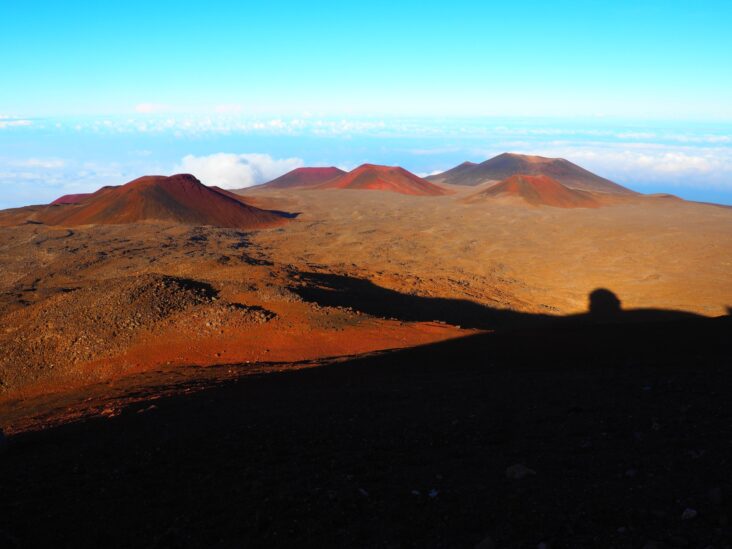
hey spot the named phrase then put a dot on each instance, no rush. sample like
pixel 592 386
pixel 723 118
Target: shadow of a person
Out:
pixel 604 305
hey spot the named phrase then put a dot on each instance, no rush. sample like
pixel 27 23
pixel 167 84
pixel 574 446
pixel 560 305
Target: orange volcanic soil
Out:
pixel 539 190
pixel 179 198
pixel 507 164
pixel 291 340
pixel 385 178
pixel 149 321
pixel 275 345
pixel 303 177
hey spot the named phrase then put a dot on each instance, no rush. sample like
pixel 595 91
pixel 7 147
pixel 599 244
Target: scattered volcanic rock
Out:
pixel 179 198
pixel 385 178
pixel 539 190
pixel 303 177
pixel 507 164
pixel 53 337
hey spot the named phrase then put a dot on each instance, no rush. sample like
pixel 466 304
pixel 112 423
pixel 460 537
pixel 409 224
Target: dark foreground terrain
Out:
pixel 573 435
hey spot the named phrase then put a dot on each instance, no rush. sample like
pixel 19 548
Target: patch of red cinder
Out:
pixel 71 198
pixel 385 178
pixel 540 190
pixel 304 177
pixel 81 197
pixel 178 198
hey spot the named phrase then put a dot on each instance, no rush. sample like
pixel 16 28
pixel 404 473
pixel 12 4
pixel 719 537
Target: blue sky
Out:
pixel 92 94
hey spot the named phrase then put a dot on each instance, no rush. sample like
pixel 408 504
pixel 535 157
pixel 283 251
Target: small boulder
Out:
pixel 519 471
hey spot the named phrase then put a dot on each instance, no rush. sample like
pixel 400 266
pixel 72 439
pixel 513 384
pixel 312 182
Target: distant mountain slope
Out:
pixel 72 198
pixel 230 194
pixel 453 173
pixel 385 178
pixel 539 190
pixel 303 177
pixel 507 164
pixel 81 197
pixel 178 198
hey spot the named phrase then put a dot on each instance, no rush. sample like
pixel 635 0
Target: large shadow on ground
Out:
pixel 365 296
pixel 582 432
pixel 613 429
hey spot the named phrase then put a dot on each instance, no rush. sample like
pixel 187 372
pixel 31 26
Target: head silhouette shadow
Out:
pixel 604 304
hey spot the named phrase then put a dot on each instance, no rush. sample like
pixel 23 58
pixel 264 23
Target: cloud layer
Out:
pixel 48 157
pixel 235 171
pixel 14 123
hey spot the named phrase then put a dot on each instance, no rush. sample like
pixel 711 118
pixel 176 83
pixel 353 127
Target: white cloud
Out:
pixel 635 135
pixel 233 171
pixel 41 180
pixel 14 123
pixel 155 118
